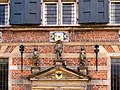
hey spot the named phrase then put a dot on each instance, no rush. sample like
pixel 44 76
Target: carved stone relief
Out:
pixel 52 76
pixel 55 36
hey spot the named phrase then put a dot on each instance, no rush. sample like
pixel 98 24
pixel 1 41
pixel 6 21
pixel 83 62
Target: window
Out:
pixel 68 13
pixel 65 15
pixel 3 74
pixel 115 74
pixel 3 14
pixel 115 13
pixel 50 14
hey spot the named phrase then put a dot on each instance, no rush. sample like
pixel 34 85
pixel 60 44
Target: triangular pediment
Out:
pixel 58 73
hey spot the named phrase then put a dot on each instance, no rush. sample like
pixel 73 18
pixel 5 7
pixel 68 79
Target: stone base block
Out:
pixel 59 62
pixel 35 69
pixel 83 70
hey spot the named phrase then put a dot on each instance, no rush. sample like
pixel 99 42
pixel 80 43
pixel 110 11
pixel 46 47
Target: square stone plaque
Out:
pixel 59 35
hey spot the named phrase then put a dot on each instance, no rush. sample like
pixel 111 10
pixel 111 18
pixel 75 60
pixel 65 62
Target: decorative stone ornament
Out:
pixel 59 49
pixel 35 68
pixel 58 74
pixel 0 36
pixel 55 36
pixel 35 57
pixel 82 57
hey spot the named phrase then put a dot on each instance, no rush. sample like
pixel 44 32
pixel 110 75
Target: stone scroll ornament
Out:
pixel 82 57
pixel 35 57
pixel 59 49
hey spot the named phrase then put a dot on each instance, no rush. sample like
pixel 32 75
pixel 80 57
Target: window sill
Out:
pixel 72 25
pixel 61 25
pixel 89 24
pixel 5 26
pixel 113 24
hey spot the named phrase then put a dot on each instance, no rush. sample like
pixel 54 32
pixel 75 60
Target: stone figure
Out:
pixel 82 57
pixel 59 49
pixel 35 57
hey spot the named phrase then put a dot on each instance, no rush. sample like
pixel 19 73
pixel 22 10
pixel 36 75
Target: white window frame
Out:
pixel 8 14
pixel 111 1
pixel 44 13
pixel 74 13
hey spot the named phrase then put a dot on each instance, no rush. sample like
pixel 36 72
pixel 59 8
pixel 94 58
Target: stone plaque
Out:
pixel 58 35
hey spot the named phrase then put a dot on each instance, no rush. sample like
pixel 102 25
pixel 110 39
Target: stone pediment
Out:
pixel 58 73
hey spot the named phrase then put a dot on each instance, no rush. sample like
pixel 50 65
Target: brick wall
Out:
pixel 76 36
pixel 25 36
pixel 48 60
pixel 93 36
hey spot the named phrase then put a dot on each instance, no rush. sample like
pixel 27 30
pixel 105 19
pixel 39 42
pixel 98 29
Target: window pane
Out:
pixel 115 12
pixel 115 74
pixel 3 14
pixel 68 13
pixel 51 14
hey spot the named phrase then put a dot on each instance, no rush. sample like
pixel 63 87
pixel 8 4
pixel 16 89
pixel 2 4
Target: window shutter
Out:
pixel 102 11
pixel 16 11
pixel 25 11
pixel 93 11
pixel 86 11
pixel 32 11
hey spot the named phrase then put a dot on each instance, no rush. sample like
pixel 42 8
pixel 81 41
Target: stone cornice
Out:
pixel 65 43
pixel 60 28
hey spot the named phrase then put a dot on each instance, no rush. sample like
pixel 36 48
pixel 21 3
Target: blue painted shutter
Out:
pixel 102 11
pixel 85 11
pixel 32 11
pixel 93 11
pixel 16 11
pixel 25 11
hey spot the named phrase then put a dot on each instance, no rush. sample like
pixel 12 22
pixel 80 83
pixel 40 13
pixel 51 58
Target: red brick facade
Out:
pixel 76 36
pixel 71 50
